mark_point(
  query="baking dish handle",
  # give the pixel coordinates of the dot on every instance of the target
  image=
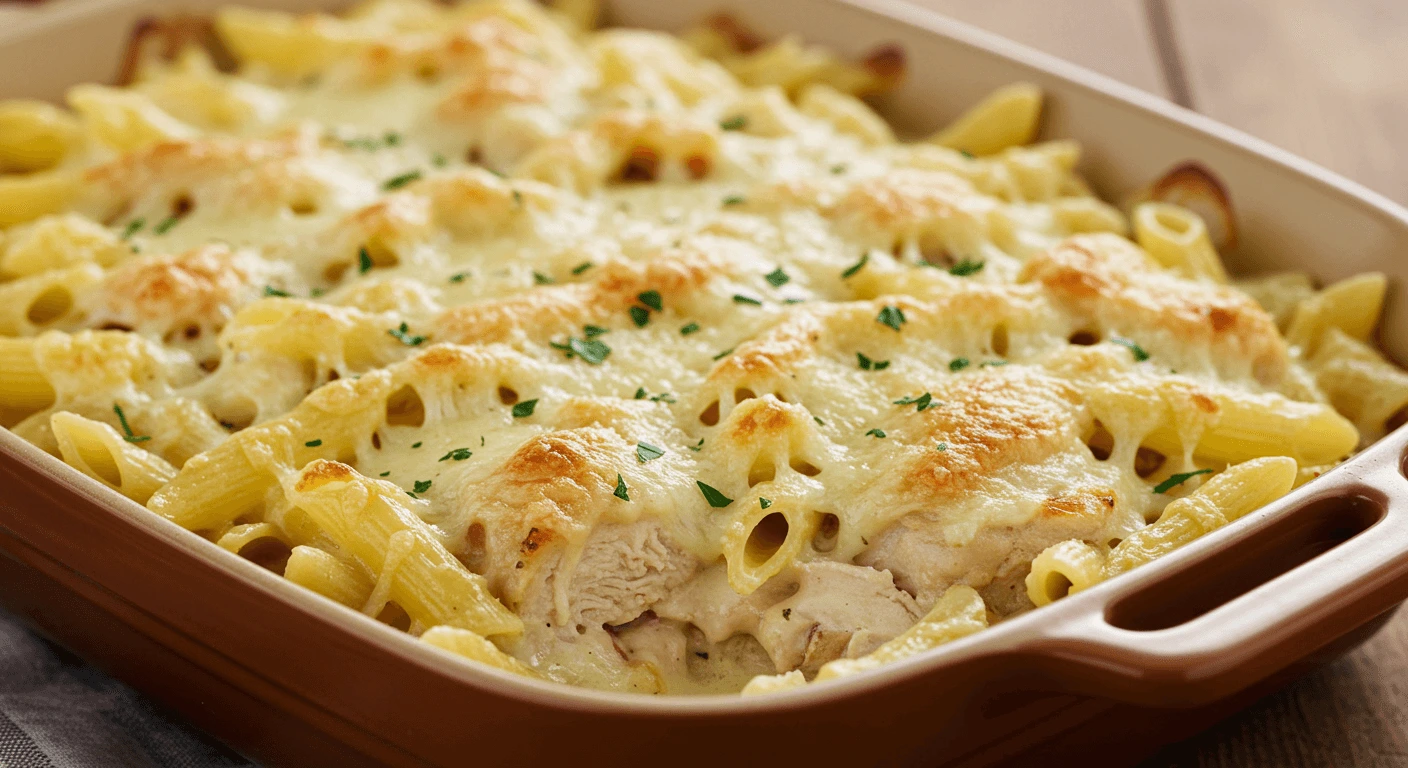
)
(1205, 622)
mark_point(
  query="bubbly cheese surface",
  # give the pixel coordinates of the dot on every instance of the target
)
(703, 372)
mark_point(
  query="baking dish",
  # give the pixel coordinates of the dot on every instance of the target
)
(292, 679)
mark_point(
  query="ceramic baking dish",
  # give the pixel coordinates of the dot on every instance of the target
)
(1106, 675)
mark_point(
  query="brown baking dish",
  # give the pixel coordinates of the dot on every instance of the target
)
(1105, 676)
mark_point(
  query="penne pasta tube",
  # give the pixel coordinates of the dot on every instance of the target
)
(98, 451)
(323, 573)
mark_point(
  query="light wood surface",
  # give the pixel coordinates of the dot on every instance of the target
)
(1328, 80)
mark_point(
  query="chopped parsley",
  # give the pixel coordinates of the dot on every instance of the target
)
(590, 350)
(1178, 479)
(941, 447)
(958, 363)
(838, 169)
(270, 290)
(711, 494)
(524, 409)
(165, 225)
(316, 292)
(777, 278)
(966, 267)
(621, 492)
(735, 123)
(459, 277)
(866, 364)
(403, 334)
(651, 299)
(688, 329)
(133, 227)
(818, 421)
(517, 197)
(313, 443)
(127, 429)
(438, 160)
(739, 298)
(640, 316)
(1140, 355)
(580, 268)
(647, 452)
(364, 260)
(992, 363)
(920, 402)
(891, 316)
(387, 473)
(663, 397)
(698, 446)
(422, 486)
(396, 182)
(966, 153)
(417, 444)
(875, 433)
(764, 503)
(856, 267)
(593, 331)
(735, 200)
(724, 354)
(793, 300)
(640, 393)
(458, 454)
(541, 279)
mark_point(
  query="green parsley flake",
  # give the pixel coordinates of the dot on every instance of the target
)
(458, 454)
(133, 227)
(541, 279)
(422, 486)
(524, 409)
(838, 169)
(856, 267)
(735, 200)
(1178, 479)
(1139, 354)
(647, 452)
(992, 363)
(739, 298)
(651, 299)
(313, 443)
(593, 331)
(966, 153)
(580, 268)
(165, 225)
(387, 473)
(920, 402)
(818, 421)
(621, 492)
(724, 354)
(966, 267)
(735, 123)
(270, 290)
(591, 350)
(640, 393)
(697, 447)
(764, 503)
(459, 277)
(777, 278)
(688, 329)
(126, 429)
(640, 316)
(438, 160)
(711, 494)
(941, 447)
(417, 444)
(866, 364)
(396, 182)
(403, 334)
(364, 260)
(891, 316)
(875, 433)
(958, 363)
(663, 397)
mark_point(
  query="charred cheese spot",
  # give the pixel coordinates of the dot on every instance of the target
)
(321, 473)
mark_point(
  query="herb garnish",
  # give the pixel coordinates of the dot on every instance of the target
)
(541, 279)
(458, 454)
(866, 364)
(735, 123)
(417, 444)
(696, 448)
(992, 363)
(764, 503)
(651, 299)
(711, 494)
(735, 200)
(856, 267)
(364, 260)
(1178, 479)
(958, 363)
(165, 225)
(724, 354)
(621, 492)
(739, 298)
(1140, 355)
(966, 267)
(396, 182)
(270, 290)
(421, 486)
(524, 409)
(313, 443)
(777, 278)
(647, 452)
(458, 277)
(403, 334)
(875, 433)
(640, 393)
(590, 350)
(126, 429)
(941, 447)
(688, 329)
(593, 331)
(640, 316)
(133, 227)
(920, 402)
(891, 316)
(580, 268)
(838, 169)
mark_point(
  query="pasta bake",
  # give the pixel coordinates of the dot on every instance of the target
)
(640, 362)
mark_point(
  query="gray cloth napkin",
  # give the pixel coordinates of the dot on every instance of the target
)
(56, 712)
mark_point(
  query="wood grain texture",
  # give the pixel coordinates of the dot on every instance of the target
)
(1108, 36)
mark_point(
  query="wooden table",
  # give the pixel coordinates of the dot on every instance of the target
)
(1328, 80)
